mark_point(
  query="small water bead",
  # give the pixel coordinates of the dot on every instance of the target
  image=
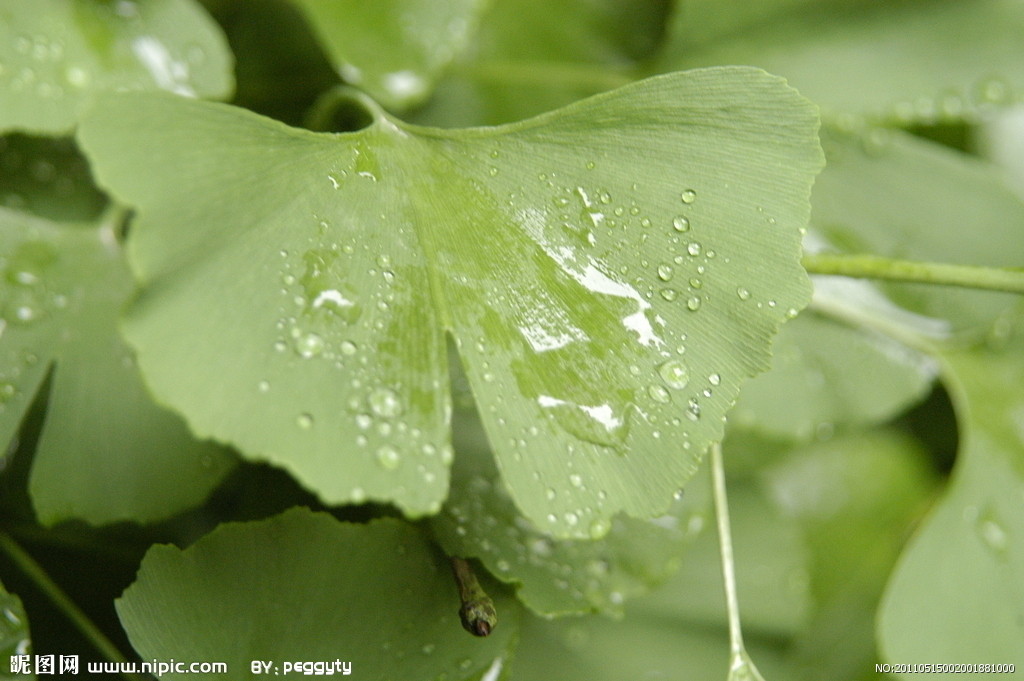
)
(388, 457)
(384, 402)
(688, 196)
(743, 293)
(693, 304)
(669, 294)
(693, 248)
(576, 480)
(659, 394)
(309, 345)
(263, 386)
(347, 348)
(665, 272)
(599, 528)
(681, 224)
(571, 519)
(696, 283)
(675, 373)
(715, 379)
(304, 421)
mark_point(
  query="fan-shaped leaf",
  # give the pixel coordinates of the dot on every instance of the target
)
(55, 55)
(303, 586)
(106, 452)
(611, 273)
(394, 49)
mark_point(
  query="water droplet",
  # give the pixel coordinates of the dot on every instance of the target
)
(659, 394)
(603, 424)
(715, 379)
(347, 348)
(263, 386)
(599, 528)
(388, 457)
(304, 421)
(576, 480)
(675, 373)
(681, 224)
(385, 402)
(669, 294)
(688, 196)
(693, 248)
(743, 293)
(571, 519)
(309, 345)
(693, 304)
(992, 532)
(665, 272)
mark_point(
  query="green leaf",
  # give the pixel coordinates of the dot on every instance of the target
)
(885, 192)
(831, 375)
(560, 577)
(55, 56)
(772, 572)
(393, 49)
(679, 630)
(596, 312)
(901, 61)
(855, 497)
(532, 56)
(303, 586)
(14, 634)
(956, 593)
(106, 453)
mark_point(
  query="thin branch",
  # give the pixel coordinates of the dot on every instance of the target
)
(1007, 279)
(63, 602)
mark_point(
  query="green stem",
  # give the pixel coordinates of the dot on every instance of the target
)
(35, 572)
(1008, 279)
(477, 613)
(740, 664)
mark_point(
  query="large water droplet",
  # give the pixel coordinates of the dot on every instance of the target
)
(385, 402)
(681, 224)
(675, 373)
(688, 196)
(309, 345)
(602, 424)
(693, 304)
(665, 272)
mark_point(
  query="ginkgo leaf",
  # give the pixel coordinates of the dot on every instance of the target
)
(532, 56)
(55, 55)
(610, 272)
(922, 196)
(559, 577)
(832, 375)
(304, 586)
(106, 452)
(955, 593)
(905, 61)
(394, 49)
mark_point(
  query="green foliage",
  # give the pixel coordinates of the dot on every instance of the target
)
(511, 344)
(56, 55)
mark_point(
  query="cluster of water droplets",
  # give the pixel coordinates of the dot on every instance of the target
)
(53, 66)
(558, 574)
